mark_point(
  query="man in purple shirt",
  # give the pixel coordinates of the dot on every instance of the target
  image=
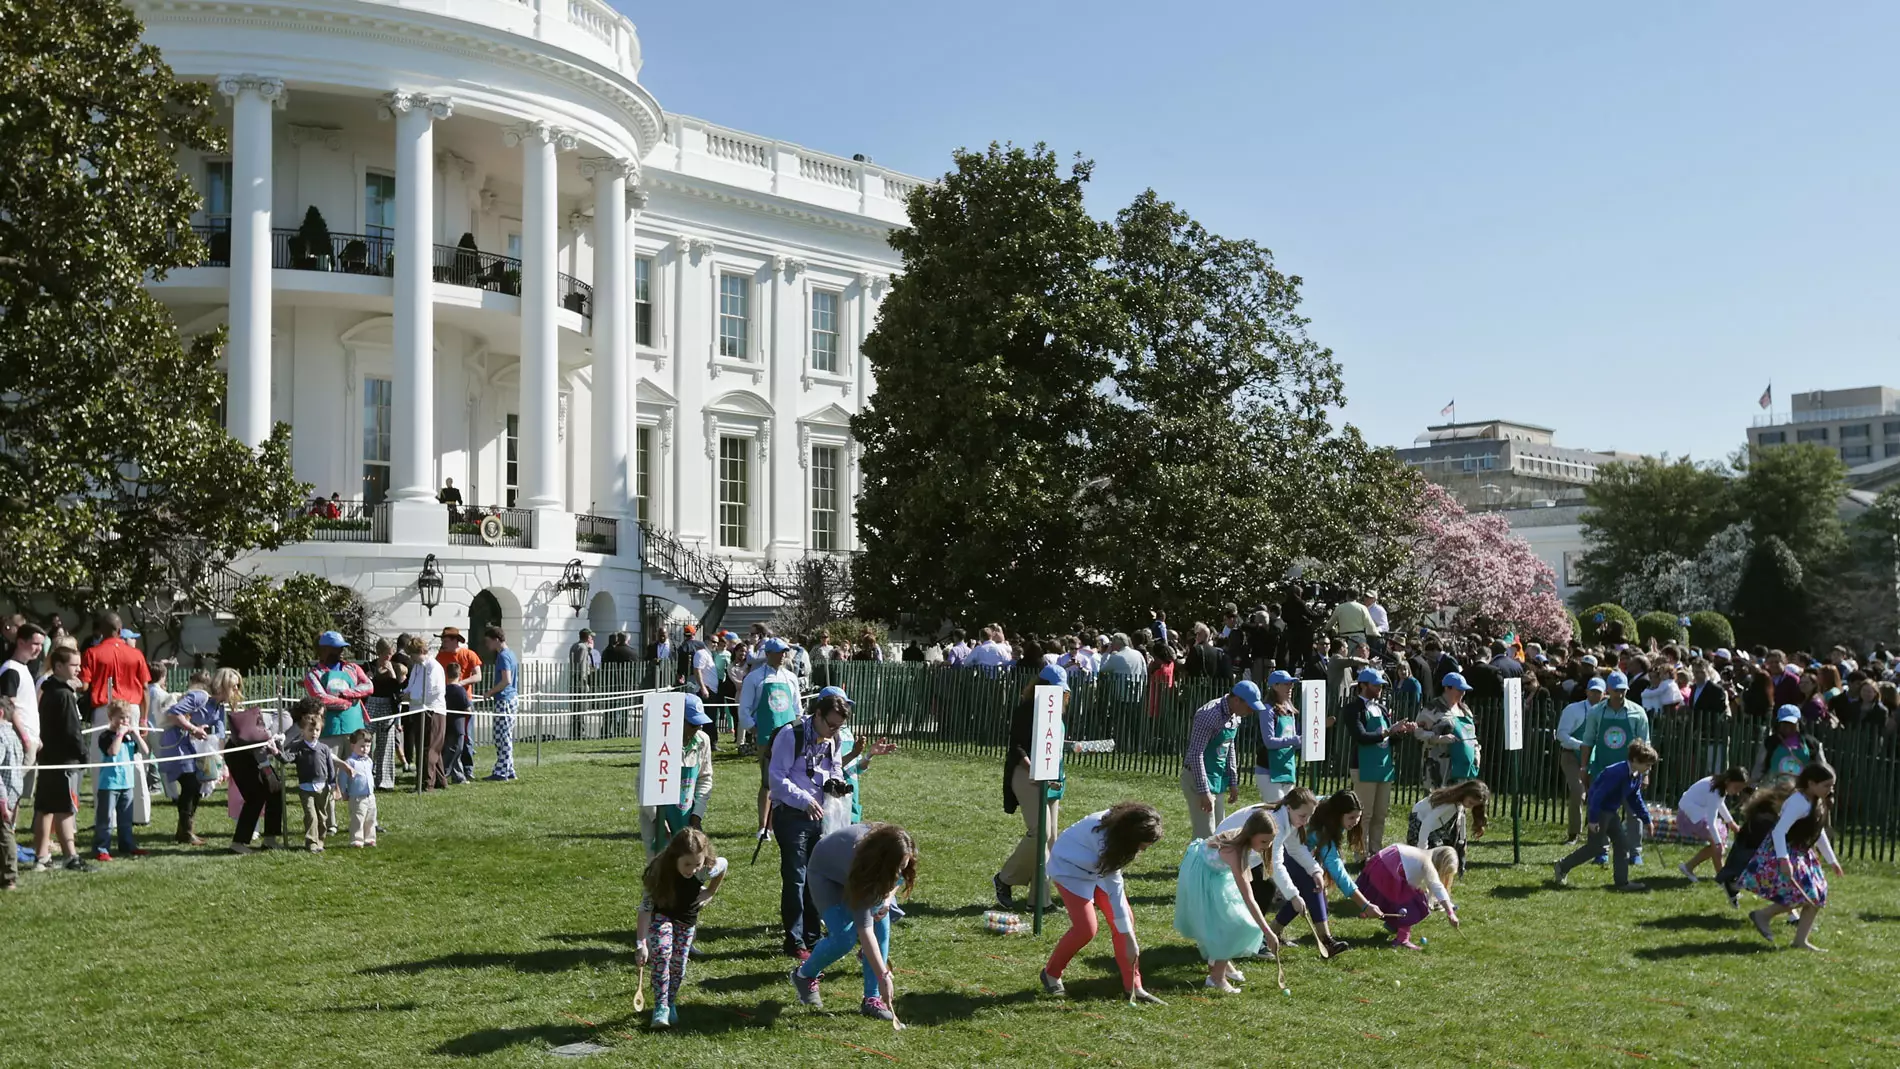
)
(806, 765)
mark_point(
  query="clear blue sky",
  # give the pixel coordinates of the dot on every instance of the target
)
(1620, 220)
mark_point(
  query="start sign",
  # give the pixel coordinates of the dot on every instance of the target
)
(1312, 720)
(1048, 735)
(662, 724)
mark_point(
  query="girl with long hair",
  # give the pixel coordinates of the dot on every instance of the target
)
(1086, 864)
(1702, 813)
(1336, 825)
(853, 879)
(1790, 876)
(1439, 818)
(679, 880)
(1214, 903)
(1407, 883)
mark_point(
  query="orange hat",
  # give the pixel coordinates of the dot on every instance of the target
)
(690, 629)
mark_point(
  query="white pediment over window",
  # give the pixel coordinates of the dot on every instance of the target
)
(648, 392)
(828, 416)
(741, 403)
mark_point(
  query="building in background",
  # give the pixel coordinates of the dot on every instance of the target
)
(1861, 424)
(461, 242)
(1502, 464)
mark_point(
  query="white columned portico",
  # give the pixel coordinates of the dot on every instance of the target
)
(610, 478)
(414, 517)
(540, 448)
(248, 351)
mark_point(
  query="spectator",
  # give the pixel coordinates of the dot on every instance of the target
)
(506, 696)
(1124, 663)
(427, 690)
(1205, 660)
(583, 659)
(461, 671)
(619, 650)
(120, 745)
(804, 766)
(113, 669)
(1352, 622)
(20, 713)
(194, 731)
(56, 791)
(386, 679)
(1381, 623)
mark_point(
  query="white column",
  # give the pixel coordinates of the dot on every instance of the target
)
(414, 515)
(540, 451)
(248, 351)
(609, 460)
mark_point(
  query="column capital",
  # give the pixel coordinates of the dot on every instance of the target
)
(403, 101)
(305, 134)
(563, 140)
(271, 89)
(790, 265)
(636, 199)
(608, 168)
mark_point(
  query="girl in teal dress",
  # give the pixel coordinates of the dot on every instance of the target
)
(1213, 902)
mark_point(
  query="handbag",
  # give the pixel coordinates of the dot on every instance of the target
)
(272, 779)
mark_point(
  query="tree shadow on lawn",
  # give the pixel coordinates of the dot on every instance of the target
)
(489, 1040)
(616, 836)
(754, 942)
(1683, 922)
(942, 1007)
(931, 909)
(1737, 947)
(1879, 918)
(533, 961)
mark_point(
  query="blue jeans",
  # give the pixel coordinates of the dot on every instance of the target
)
(841, 934)
(797, 833)
(112, 806)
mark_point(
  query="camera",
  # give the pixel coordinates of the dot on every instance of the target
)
(837, 788)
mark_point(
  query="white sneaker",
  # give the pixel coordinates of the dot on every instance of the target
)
(1223, 987)
(1687, 871)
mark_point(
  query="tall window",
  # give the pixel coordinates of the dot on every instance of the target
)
(824, 331)
(732, 493)
(733, 292)
(643, 301)
(511, 465)
(642, 471)
(824, 497)
(1815, 434)
(514, 244)
(379, 214)
(376, 401)
(218, 194)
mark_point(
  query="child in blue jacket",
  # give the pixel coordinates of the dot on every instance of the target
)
(1616, 788)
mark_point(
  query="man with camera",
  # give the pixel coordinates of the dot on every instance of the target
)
(806, 766)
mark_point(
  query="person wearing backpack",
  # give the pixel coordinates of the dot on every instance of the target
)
(805, 766)
(768, 700)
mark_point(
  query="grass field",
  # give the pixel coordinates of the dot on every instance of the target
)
(495, 923)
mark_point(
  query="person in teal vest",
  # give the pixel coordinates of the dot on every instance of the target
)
(1786, 751)
(1276, 764)
(768, 700)
(1608, 729)
(1210, 774)
(1454, 733)
(340, 687)
(1371, 755)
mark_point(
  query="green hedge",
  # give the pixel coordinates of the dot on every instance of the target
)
(1608, 610)
(1711, 630)
(1662, 626)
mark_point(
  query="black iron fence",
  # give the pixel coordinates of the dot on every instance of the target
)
(347, 521)
(596, 534)
(458, 265)
(493, 525)
(575, 295)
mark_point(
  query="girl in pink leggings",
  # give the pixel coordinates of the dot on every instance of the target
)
(1086, 865)
(1406, 883)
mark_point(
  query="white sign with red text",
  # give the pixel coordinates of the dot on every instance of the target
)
(1047, 735)
(1313, 720)
(1514, 714)
(660, 730)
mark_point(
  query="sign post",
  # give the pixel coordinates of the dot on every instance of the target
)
(663, 720)
(1045, 765)
(1313, 726)
(1514, 742)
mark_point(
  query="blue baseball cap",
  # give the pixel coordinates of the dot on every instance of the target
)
(774, 645)
(835, 692)
(1279, 676)
(1247, 692)
(1054, 676)
(128, 634)
(1372, 676)
(1619, 681)
(1454, 681)
(331, 640)
(696, 710)
(1596, 683)
(1787, 714)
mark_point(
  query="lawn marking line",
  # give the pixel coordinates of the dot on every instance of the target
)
(1879, 1042)
(853, 1046)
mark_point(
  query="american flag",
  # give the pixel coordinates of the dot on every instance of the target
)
(1448, 409)
(1768, 395)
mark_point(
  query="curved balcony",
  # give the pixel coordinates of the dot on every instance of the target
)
(375, 255)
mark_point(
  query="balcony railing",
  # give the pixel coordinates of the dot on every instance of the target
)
(576, 296)
(493, 525)
(347, 521)
(596, 534)
(372, 254)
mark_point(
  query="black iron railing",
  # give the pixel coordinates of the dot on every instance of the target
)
(345, 254)
(347, 521)
(458, 265)
(513, 528)
(576, 296)
(596, 534)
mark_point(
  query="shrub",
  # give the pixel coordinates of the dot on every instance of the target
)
(1662, 626)
(279, 625)
(1710, 630)
(1597, 617)
(845, 632)
(311, 247)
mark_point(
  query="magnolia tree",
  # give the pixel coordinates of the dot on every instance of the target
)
(1709, 580)
(1489, 575)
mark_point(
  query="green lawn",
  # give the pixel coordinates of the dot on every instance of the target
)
(496, 922)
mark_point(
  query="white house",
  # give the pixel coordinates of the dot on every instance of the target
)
(536, 284)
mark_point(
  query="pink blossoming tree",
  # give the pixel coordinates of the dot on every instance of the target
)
(1489, 576)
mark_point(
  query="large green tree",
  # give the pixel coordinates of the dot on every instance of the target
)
(1793, 492)
(987, 355)
(1219, 450)
(116, 476)
(1638, 511)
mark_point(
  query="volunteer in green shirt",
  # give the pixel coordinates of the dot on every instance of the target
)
(768, 700)
(1608, 729)
(1371, 755)
(1276, 763)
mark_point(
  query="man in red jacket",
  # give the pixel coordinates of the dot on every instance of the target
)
(113, 670)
